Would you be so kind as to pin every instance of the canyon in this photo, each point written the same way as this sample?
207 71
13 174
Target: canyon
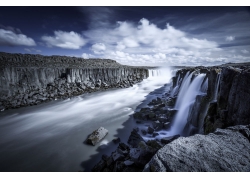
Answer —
189 119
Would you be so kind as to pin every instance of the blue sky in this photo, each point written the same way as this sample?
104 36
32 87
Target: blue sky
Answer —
132 35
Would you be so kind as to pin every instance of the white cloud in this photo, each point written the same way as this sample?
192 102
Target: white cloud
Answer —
10 38
66 40
230 38
244 51
145 43
87 56
98 48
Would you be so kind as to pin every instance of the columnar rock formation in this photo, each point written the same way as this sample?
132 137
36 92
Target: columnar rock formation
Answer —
32 79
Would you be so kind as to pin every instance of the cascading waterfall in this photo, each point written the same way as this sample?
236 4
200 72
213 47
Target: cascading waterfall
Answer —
186 98
217 87
154 72
185 83
176 88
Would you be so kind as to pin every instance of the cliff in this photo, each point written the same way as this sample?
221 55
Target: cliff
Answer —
31 79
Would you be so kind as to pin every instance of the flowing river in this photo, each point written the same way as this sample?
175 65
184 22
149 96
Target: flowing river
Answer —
50 136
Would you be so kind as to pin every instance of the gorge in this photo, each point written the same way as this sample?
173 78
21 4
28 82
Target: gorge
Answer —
167 119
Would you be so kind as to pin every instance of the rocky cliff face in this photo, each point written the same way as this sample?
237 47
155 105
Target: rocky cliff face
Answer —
231 106
222 112
227 100
224 150
32 79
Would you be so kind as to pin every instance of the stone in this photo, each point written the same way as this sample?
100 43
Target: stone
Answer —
134 138
169 139
150 130
97 135
225 150
167 125
157 125
116 140
128 162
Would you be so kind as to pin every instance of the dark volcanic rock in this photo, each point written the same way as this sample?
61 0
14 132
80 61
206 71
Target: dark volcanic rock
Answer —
224 150
134 138
31 79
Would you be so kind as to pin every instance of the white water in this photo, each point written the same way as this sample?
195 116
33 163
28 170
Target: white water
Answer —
217 87
54 132
186 99
183 89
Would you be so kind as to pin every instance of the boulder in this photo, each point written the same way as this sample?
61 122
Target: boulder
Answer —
116 140
134 138
97 136
169 139
224 150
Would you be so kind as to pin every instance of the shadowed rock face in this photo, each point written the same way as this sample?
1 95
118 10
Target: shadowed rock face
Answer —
32 79
224 150
232 103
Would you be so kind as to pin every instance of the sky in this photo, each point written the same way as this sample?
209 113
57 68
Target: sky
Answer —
131 35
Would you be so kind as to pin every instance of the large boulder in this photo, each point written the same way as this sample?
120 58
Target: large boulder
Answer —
97 135
224 150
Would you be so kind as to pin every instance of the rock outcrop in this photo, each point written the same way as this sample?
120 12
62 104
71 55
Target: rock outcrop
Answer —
231 106
31 79
224 150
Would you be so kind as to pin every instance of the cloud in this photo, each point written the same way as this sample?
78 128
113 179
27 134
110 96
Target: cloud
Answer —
65 40
145 43
87 56
98 48
32 50
244 51
9 38
230 38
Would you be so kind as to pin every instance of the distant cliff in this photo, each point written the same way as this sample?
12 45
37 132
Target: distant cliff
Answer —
31 79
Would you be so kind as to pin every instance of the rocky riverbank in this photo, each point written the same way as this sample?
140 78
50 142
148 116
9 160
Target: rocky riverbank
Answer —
27 80
222 114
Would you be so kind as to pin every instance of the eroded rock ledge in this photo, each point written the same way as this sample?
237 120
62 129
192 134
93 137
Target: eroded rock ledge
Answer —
27 79
224 150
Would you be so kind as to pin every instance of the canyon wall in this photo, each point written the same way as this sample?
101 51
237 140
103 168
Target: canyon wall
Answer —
33 79
226 102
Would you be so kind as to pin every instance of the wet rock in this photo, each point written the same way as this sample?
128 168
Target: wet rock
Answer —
128 162
157 125
105 157
116 140
169 139
97 135
143 131
150 130
155 134
117 156
134 138
99 166
123 146
167 125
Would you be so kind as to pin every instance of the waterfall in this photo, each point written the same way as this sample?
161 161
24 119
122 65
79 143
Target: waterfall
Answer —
204 86
217 87
186 98
154 72
176 88
185 83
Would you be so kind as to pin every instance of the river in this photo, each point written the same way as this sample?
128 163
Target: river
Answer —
50 137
